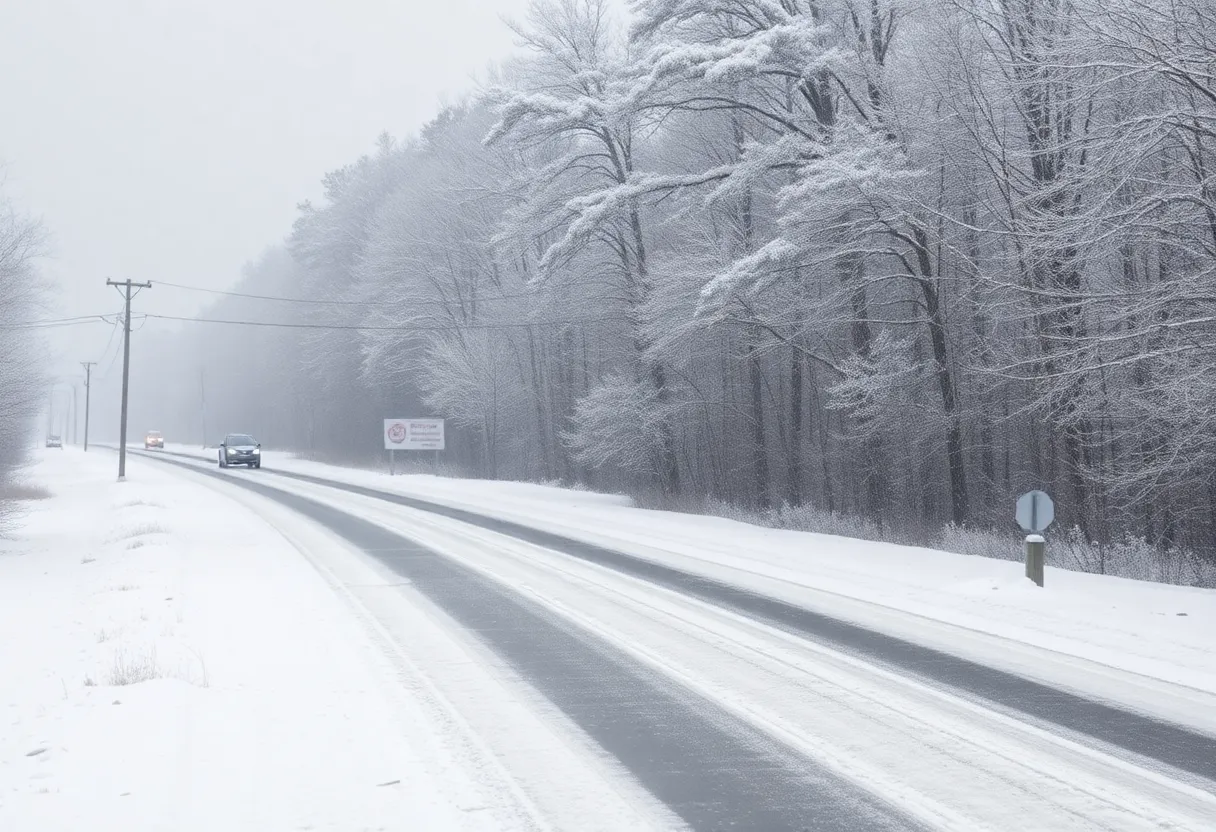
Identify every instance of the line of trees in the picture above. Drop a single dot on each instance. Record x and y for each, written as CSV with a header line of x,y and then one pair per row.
x,y
901,259
22,372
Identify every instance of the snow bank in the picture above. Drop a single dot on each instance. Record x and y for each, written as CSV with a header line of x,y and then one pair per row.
x,y
170,662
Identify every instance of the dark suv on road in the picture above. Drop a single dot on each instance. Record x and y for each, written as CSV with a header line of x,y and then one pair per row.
x,y
240,449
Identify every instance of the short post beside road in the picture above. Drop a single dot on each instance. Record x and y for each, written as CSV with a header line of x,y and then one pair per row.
x,y
1036,555
1034,513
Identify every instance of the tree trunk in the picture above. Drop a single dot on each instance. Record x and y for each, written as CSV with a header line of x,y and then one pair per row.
x,y
959,506
759,446
796,442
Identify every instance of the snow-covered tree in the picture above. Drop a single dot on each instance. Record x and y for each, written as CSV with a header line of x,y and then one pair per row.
x,y
22,241
896,258
577,208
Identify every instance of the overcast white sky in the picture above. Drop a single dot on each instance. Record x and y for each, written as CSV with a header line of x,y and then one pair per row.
x,y
172,140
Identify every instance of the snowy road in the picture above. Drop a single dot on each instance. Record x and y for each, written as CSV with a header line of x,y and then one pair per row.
x,y
733,708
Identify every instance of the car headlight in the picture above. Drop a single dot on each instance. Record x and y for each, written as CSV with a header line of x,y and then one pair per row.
x,y
257,450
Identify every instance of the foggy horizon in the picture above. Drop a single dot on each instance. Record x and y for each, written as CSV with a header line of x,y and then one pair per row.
x,y
174,143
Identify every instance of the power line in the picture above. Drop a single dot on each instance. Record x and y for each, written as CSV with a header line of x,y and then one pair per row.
x,y
453,328
320,302
266,297
116,321
111,342
105,374
113,332
113,358
56,322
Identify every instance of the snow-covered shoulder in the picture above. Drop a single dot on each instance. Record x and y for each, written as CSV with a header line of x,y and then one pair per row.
x,y
170,662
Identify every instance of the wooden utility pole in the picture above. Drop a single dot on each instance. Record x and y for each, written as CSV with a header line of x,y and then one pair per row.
x,y
88,375
75,416
125,287
202,398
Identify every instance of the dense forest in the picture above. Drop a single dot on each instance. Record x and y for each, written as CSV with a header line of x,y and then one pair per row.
x,y
897,260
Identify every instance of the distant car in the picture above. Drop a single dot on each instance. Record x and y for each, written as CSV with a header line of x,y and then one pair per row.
x,y
240,449
54,442
154,440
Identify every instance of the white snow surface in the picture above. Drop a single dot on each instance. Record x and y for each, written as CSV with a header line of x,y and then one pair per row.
x,y
169,659
1143,645
951,763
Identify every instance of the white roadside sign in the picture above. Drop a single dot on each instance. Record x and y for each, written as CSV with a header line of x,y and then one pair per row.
x,y
413,434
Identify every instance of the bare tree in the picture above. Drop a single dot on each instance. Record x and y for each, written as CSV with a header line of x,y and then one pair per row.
x,y
22,241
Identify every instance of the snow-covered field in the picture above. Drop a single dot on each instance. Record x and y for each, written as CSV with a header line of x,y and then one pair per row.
x,y
170,660
1145,645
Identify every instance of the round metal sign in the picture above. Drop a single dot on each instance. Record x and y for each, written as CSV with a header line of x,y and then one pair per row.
x,y
1035,511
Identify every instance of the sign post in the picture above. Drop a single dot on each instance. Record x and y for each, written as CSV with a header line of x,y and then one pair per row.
x,y
412,435
1035,512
